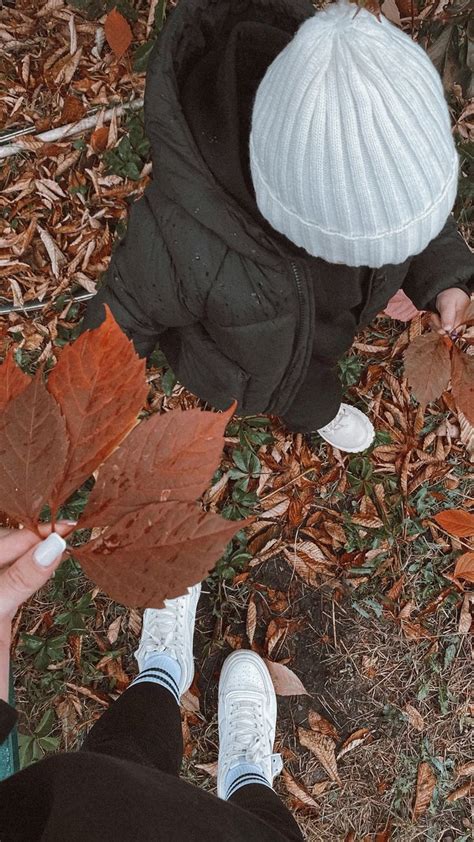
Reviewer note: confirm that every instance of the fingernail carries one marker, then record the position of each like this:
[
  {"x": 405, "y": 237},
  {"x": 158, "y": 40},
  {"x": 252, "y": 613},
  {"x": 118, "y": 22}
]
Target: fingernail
[
  {"x": 69, "y": 522},
  {"x": 48, "y": 551}
]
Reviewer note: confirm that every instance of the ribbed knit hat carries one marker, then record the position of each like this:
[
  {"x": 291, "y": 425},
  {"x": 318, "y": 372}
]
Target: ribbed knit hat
[{"x": 351, "y": 151}]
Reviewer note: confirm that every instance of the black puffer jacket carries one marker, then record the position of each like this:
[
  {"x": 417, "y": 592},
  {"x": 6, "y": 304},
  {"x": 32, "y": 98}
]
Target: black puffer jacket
[{"x": 239, "y": 311}]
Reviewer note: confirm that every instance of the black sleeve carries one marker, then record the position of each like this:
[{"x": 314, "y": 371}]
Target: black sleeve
[
  {"x": 446, "y": 262},
  {"x": 8, "y": 718}
]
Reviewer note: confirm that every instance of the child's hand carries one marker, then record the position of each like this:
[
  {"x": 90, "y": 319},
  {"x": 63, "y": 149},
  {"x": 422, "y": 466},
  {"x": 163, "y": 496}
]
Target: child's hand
[
  {"x": 451, "y": 305},
  {"x": 26, "y": 563}
]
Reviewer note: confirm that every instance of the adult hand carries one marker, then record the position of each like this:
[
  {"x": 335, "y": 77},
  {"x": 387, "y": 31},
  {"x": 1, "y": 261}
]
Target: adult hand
[
  {"x": 452, "y": 305},
  {"x": 26, "y": 563}
]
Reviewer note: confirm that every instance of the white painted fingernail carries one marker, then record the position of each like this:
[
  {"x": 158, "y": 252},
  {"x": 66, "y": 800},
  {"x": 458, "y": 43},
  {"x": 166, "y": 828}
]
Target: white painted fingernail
[{"x": 48, "y": 551}]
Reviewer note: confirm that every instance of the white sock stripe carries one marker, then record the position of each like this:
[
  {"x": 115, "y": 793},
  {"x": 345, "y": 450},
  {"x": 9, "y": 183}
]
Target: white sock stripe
[
  {"x": 246, "y": 780},
  {"x": 161, "y": 671},
  {"x": 162, "y": 682}
]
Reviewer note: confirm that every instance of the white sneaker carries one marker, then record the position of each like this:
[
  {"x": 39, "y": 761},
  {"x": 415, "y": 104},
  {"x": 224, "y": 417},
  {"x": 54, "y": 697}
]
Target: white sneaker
[
  {"x": 247, "y": 717},
  {"x": 170, "y": 631},
  {"x": 350, "y": 430}
]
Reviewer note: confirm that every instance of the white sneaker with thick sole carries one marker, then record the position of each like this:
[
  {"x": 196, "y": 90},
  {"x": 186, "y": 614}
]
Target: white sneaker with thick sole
[
  {"x": 350, "y": 431},
  {"x": 170, "y": 631},
  {"x": 247, "y": 717}
]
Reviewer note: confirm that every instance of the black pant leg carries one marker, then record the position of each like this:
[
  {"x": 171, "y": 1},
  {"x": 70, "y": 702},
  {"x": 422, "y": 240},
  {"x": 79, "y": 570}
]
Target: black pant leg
[
  {"x": 265, "y": 803},
  {"x": 318, "y": 400},
  {"x": 143, "y": 725}
]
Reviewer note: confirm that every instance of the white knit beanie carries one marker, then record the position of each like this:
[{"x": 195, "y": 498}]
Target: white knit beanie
[{"x": 351, "y": 151}]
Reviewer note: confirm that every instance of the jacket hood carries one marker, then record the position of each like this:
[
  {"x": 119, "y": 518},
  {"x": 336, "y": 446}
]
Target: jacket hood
[{"x": 194, "y": 28}]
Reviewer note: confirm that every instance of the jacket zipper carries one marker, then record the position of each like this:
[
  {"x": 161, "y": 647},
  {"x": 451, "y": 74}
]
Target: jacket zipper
[{"x": 297, "y": 277}]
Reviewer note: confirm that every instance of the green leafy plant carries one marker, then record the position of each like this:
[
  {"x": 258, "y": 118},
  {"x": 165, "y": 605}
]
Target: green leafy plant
[
  {"x": 132, "y": 151},
  {"x": 33, "y": 747}
]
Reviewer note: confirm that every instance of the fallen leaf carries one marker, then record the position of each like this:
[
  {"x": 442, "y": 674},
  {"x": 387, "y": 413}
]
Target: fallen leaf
[
  {"x": 428, "y": 367},
  {"x": 73, "y": 110},
  {"x": 414, "y": 631},
  {"x": 414, "y": 717},
  {"x": 465, "y": 769},
  {"x": 389, "y": 8},
  {"x": 251, "y": 622},
  {"x": 12, "y": 380},
  {"x": 321, "y": 725},
  {"x": 156, "y": 553},
  {"x": 362, "y": 735},
  {"x": 189, "y": 702},
  {"x": 298, "y": 791},
  {"x": 99, "y": 138},
  {"x": 367, "y": 522},
  {"x": 462, "y": 380},
  {"x": 118, "y": 33},
  {"x": 323, "y": 747},
  {"x": 465, "y": 567},
  {"x": 208, "y": 768},
  {"x": 113, "y": 630},
  {"x": 464, "y": 791},
  {"x": 456, "y": 521},
  {"x": 33, "y": 448},
  {"x": 100, "y": 387},
  {"x": 425, "y": 784},
  {"x": 285, "y": 682},
  {"x": 170, "y": 457},
  {"x": 465, "y": 616},
  {"x": 320, "y": 787}
]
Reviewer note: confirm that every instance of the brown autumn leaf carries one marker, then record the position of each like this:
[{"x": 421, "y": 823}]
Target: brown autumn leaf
[
  {"x": 251, "y": 621},
  {"x": 171, "y": 457},
  {"x": 12, "y": 380},
  {"x": 367, "y": 521},
  {"x": 298, "y": 791},
  {"x": 321, "y": 725},
  {"x": 428, "y": 366},
  {"x": 323, "y": 747},
  {"x": 425, "y": 784},
  {"x": 285, "y": 682},
  {"x": 456, "y": 521},
  {"x": 73, "y": 110},
  {"x": 118, "y": 33},
  {"x": 464, "y": 791},
  {"x": 354, "y": 740},
  {"x": 462, "y": 380},
  {"x": 465, "y": 567},
  {"x": 414, "y": 717},
  {"x": 99, "y": 138},
  {"x": 100, "y": 387},
  {"x": 465, "y": 769},
  {"x": 33, "y": 448},
  {"x": 156, "y": 553},
  {"x": 465, "y": 615}
]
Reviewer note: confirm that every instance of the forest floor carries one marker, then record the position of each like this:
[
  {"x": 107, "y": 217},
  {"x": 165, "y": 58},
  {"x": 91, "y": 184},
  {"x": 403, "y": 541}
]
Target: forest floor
[{"x": 344, "y": 576}]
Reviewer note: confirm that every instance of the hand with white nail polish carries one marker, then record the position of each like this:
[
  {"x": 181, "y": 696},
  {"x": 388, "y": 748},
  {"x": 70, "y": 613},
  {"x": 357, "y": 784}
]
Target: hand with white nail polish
[{"x": 26, "y": 563}]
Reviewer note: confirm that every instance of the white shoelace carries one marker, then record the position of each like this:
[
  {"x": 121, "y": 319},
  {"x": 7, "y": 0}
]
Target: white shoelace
[
  {"x": 247, "y": 733},
  {"x": 167, "y": 631}
]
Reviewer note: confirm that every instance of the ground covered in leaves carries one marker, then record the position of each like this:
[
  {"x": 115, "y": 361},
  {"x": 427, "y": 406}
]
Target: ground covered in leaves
[{"x": 344, "y": 576}]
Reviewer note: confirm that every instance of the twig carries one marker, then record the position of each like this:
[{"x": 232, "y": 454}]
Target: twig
[{"x": 69, "y": 129}]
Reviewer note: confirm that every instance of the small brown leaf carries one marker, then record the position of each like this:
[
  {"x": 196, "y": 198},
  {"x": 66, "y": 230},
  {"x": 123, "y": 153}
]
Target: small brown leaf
[
  {"x": 465, "y": 616},
  {"x": 425, "y": 784},
  {"x": 12, "y": 380},
  {"x": 462, "y": 380},
  {"x": 414, "y": 717},
  {"x": 414, "y": 631},
  {"x": 209, "y": 768},
  {"x": 156, "y": 553},
  {"x": 464, "y": 791},
  {"x": 320, "y": 787},
  {"x": 113, "y": 630},
  {"x": 73, "y": 110},
  {"x": 99, "y": 138},
  {"x": 118, "y": 33},
  {"x": 33, "y": 447},
  {"x": 367, "y": 522},
  {"x": 321, "y": 725},
  {"x": 298, "y": 791},
  {"x": 465, "y": 567},
  {"x": 428, "y": 367},
  {"x": 457, "y": 522},
  {"x": 323, "y": 747},
  {"x": 285, "y": 682},
  {"x": 465, "y": 769},
  {"x": 362, "y": 735},
  {"x": 251, "y": 622}
]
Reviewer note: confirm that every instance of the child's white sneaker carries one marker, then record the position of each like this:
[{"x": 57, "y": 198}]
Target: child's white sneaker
[
  {"x": 169, "y": 631},
  {"x": 247, "y": 721},
  {"x": 350, "y": 431}
]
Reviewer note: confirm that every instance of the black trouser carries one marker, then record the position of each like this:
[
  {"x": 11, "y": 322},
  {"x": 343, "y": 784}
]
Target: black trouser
[
  {"x": 318, "y": 399},
  {"x": 144, "y": 726}
]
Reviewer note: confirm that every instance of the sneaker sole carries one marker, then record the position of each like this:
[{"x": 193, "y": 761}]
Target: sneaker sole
[
  {"x": 187, "y": 678},
  {"x": 367, "y": 442},
  {"x": 257, "y": 661}
]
